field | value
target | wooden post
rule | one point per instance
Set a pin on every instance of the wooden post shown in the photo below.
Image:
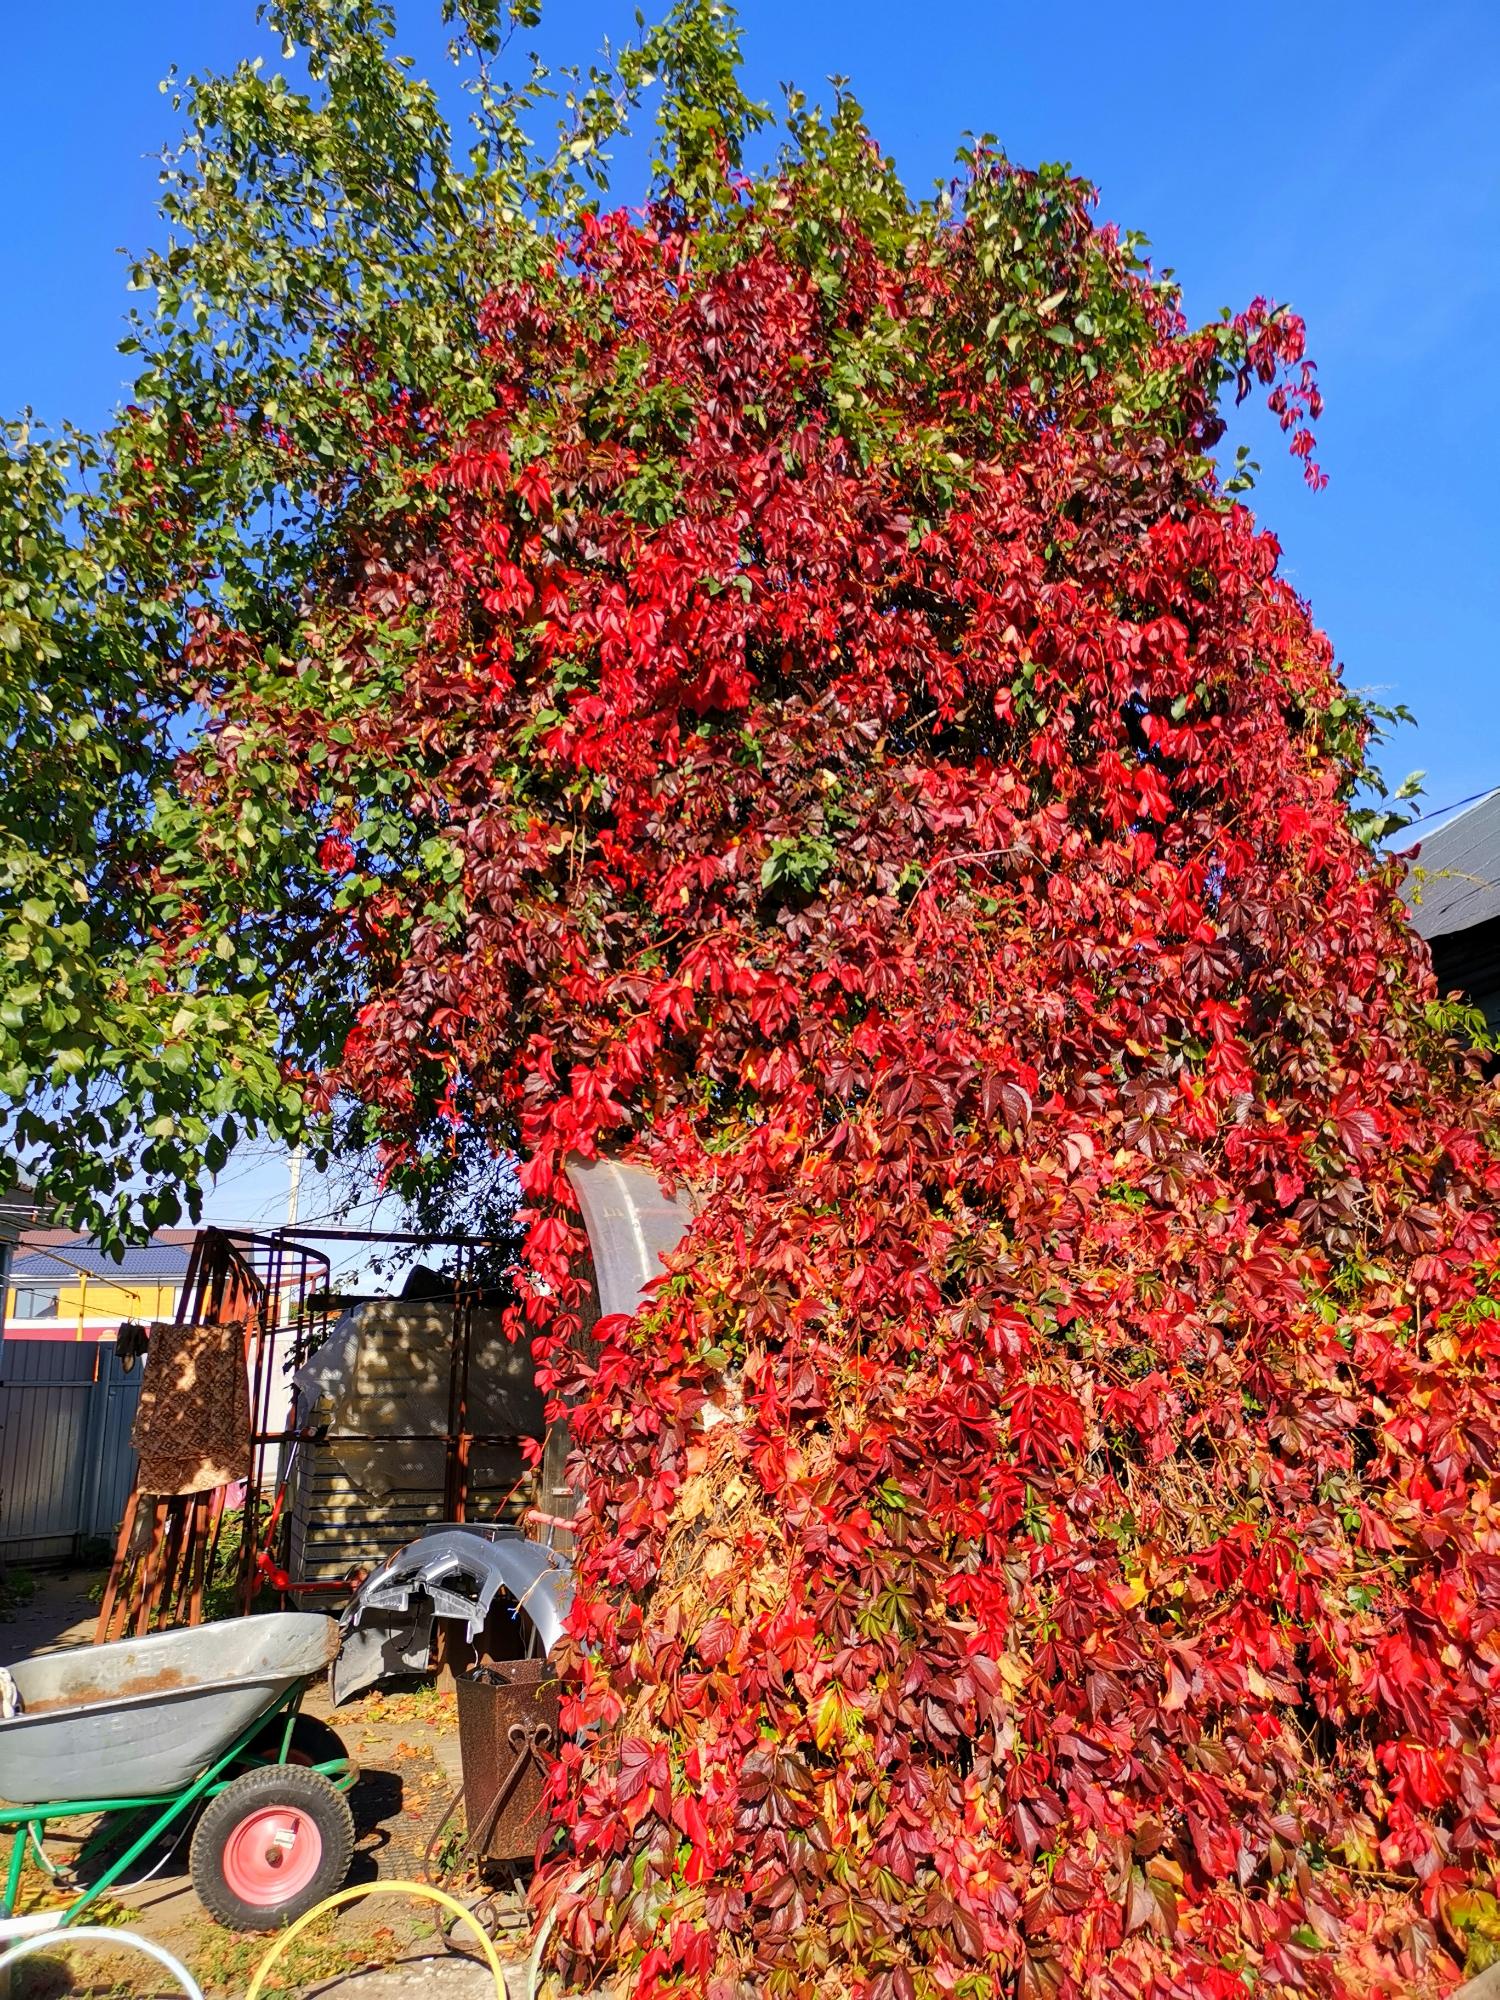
(117, 1569)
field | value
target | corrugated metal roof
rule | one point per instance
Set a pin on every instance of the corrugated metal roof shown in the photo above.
(36, 1235)
(1454, 883)
(145, 1260)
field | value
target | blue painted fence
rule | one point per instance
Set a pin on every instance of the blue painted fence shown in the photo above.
(66, 1463)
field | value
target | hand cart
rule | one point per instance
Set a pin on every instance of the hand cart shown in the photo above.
(170, 1722)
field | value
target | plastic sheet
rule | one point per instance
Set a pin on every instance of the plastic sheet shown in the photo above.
(631, 1226)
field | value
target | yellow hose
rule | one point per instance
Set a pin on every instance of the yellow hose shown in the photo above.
(418, 1889)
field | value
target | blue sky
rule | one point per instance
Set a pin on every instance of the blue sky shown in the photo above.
(1342, 157)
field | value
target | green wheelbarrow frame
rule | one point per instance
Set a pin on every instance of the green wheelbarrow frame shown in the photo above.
(27, 1824)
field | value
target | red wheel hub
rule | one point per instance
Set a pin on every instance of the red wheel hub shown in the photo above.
(272, 1855)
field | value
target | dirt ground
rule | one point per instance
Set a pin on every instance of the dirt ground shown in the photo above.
(382, 1948)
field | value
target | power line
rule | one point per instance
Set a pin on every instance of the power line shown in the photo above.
(1438, 811)
(114, 1284)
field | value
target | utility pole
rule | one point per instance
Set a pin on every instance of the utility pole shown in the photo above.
(293, 1192)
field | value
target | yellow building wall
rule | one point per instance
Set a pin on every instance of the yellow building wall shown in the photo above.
(102, 1298)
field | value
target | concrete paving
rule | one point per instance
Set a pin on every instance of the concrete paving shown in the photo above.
(59, 1612)
(439, 1978)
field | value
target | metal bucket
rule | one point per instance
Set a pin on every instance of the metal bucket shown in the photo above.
(508, 1741)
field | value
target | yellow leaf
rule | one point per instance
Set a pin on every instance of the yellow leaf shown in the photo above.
(828, 1719)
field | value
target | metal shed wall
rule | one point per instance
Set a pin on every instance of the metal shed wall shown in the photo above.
(66, 1461)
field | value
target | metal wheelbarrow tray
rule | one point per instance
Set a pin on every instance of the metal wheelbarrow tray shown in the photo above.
(149, 1730)
(148, 1715)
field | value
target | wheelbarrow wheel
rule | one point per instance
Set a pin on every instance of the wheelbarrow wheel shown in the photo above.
(270, 1846)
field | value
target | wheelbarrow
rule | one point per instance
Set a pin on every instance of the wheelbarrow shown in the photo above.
(145, 1731)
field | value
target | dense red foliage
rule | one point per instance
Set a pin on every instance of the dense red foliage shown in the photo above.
(1043, 1537)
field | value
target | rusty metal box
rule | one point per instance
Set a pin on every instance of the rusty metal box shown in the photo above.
(508, 1737)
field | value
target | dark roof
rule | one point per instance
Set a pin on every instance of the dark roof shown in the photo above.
(36, 1234)
(145, 1260)
(1454, 880)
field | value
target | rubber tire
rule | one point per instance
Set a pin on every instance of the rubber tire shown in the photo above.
(313, 1742)
(271, 1785)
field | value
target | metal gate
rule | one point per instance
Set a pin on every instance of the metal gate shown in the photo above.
(66, 1463)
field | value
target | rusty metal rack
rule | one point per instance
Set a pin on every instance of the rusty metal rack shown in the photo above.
(279, 1285)
(168, 1542)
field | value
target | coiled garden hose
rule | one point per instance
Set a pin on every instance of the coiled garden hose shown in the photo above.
(423, 1891)
(128, 1940)
(121, 1940)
